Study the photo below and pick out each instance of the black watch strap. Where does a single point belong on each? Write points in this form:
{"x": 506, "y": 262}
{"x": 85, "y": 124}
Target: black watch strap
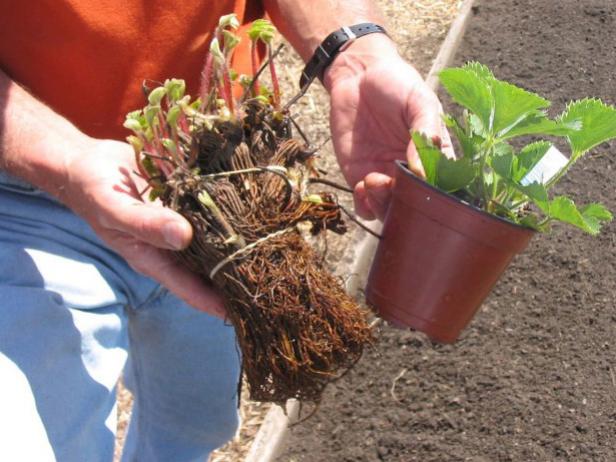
{"x": 331, "y": 46}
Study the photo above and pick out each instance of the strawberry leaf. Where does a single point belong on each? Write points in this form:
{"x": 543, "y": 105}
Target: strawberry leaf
{"x": 428, "y": 154}
{"x": 175, "y": 89}
{"x": 529, "y": 156}
{"x": 597, "y": 211}
{"x": 262, "y": 29}
{"x": 589, "y": 218}
{"x": 468, "y": 143}
{"x": 470, "y": 90}
{"x": 537, "y": 194}
{"x": 454, "y": 174}
{"x": 503, "y": 164}
{"x": 156, "y": 95}
{"x": 538, "y": 123}
{"x": 598, "y": 124}
{"x": 479, "y": 69}
{"x": 512, "y": 105}
{"x": 447, "y": 174}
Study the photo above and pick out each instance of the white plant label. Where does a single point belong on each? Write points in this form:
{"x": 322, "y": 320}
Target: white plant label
{"x": 549, "y": 165}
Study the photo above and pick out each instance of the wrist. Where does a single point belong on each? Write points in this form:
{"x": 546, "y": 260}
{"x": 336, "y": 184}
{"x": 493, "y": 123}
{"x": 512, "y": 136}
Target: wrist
{"x": 359, "y": 56}
{"x": 36, "y": 144}
{"x": 47, "y": 161}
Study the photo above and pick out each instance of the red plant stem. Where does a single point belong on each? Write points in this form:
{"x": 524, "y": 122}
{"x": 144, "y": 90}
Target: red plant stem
{"x": 228, "y": 91}
{"x": 275, "y": 83}
{"x": 206, "y": 79}
{"x": 162, "y": 123}
{"x": 183, "y": 123}
{"x": 151, "y": 147}
{"x": 255, "y": 66}
{"x": 140, "y": 167}
{"x": 160, "y": 150}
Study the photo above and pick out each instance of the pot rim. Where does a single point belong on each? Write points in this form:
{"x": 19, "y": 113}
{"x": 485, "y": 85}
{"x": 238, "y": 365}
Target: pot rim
{"x": 404, "y": 169}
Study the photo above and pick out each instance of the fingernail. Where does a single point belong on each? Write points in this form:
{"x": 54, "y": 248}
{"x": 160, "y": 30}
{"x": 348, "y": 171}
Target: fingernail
{"x": 174, "y": 232}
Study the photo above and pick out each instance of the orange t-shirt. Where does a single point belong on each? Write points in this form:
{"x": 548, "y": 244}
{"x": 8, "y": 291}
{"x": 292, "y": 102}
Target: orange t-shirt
{"x": 87, "y": 59}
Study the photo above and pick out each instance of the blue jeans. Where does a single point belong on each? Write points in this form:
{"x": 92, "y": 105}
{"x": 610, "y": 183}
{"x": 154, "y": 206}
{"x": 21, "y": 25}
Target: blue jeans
{"x": 73, "y": 317}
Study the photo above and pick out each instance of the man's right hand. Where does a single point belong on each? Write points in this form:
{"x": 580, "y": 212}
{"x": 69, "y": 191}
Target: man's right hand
{"x": 95, "y": 179}
{"x": 102, "y": 188}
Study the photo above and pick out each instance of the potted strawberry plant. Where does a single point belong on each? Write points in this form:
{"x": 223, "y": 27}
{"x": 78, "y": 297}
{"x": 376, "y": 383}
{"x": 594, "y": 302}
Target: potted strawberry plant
{"x": 448, "y": 238}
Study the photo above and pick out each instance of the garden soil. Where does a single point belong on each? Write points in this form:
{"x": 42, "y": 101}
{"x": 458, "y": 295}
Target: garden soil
{"x": 534, "y": 376}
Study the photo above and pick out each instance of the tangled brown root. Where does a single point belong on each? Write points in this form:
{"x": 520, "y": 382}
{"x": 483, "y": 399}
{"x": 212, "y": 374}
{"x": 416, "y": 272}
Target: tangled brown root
{"x": 246, "y": 191}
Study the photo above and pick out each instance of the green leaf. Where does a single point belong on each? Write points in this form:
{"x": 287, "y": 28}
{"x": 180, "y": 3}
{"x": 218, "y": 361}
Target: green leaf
{"x": 597, "y": 211}
{"x": 428, "y": 154}
{"x": 156, "y": 95}
{"x": 470, "y": 90}
{"x": 529, "y": 156}
{"x": 467, "y": 143}
{"x": 479, "y": 69}
{"x": 503, "y": 164}
{"x": 598, "y": 124}
{"x": 262, "y": 29}
{"x": 175, "y": 89}
{"x": 512, "y": 105}
{"x": 537, "y": 194}
{"x": 476, "y": 127}
{"x": 503, "y": 149}
{"x": 230, "y": 41}
{"x": 589, "y": 218}
{"x": 151, "y": 115}
{"x": 132, "y": 124}
{"x": 538, "y": 123}
{"x": 229, "y": 20}
{"x": 447, "y": 174}
{"x": 454, "y": 174}
{"x": 135, "y": 142}
{"x": 173, "y": 114}
{"x": 216, "y": 51}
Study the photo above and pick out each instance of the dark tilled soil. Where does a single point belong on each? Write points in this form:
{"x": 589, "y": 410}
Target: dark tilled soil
{"x": 534, "y": 377}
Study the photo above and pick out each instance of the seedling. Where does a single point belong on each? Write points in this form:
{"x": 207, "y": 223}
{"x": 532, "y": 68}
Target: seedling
{"x": 496, "y": 177}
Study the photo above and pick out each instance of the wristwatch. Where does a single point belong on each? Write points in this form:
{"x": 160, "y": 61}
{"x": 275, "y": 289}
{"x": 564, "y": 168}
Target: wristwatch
{"x": 333, "y": 44}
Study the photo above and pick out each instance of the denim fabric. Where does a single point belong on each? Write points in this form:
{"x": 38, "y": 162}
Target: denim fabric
{"x": 74, "y": 317}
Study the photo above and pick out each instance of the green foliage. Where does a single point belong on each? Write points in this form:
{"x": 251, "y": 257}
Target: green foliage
{"x": 598, "y": 124}
{"x": 490, "y": 172}
{"x": 588, "y": 218}
{"x": 469, "y": 89}
{"x": 175, "y": 89}
{"x": 262, "y": 29}
{"x": 449, "y": 174}
{"x": 228, "y": 21}
{"x": 163, "y": 131}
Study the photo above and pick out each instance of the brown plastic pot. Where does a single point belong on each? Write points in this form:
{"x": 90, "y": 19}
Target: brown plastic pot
{"x": 438, "y": 259}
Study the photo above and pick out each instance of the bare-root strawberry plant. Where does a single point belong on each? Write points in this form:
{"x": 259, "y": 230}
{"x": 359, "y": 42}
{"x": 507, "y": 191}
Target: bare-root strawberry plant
{"x": 231, "y": 165}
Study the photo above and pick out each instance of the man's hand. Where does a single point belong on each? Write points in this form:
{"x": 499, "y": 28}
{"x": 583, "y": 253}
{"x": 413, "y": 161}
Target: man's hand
{"x": 95, "y": 179}
{"x": 376, "y": 99}
{"x": 103, "y": 189}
